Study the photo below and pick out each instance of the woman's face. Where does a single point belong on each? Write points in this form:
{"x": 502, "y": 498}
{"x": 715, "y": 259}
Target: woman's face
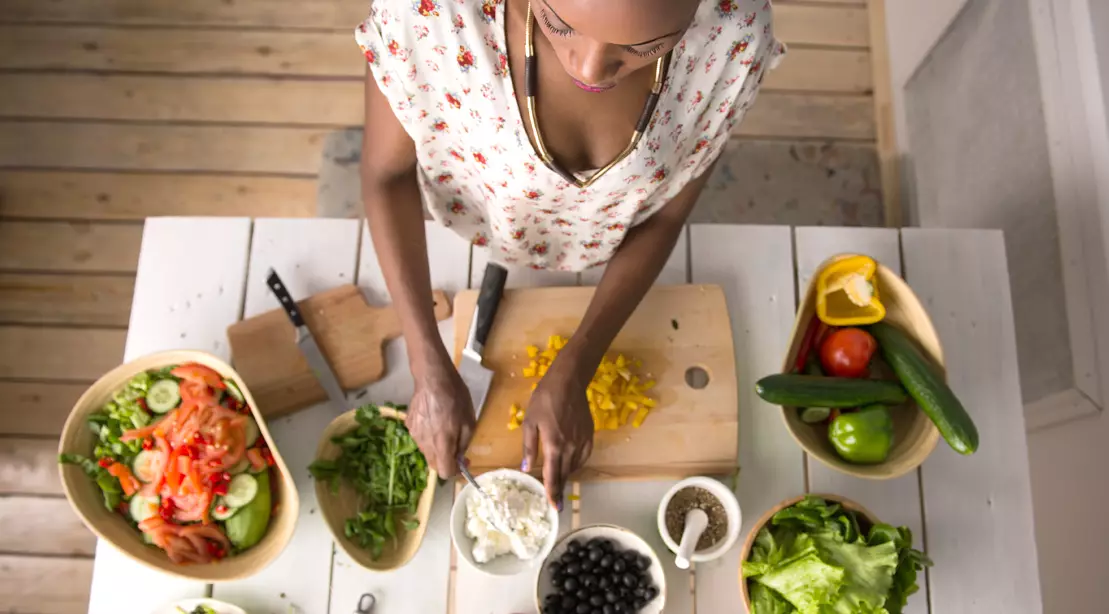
{"x": 599, "y": 42}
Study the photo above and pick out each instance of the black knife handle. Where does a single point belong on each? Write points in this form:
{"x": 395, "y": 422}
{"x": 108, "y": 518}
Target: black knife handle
{"x": 282, "y": 293}
{"x": 488, "y": 299}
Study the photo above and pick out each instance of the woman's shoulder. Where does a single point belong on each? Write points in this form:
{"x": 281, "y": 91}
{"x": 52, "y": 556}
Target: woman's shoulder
{"x": 427, "y": 22}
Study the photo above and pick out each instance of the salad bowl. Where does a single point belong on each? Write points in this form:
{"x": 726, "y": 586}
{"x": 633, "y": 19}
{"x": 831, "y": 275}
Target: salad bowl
{"x": 119, "y": 529}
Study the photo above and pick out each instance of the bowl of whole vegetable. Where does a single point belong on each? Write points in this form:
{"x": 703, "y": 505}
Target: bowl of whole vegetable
{"x": 863, "y": 387}
{"x": 167, "y": 458}
{"x": 374, "y": 486}
{"x": 827, "y": 553}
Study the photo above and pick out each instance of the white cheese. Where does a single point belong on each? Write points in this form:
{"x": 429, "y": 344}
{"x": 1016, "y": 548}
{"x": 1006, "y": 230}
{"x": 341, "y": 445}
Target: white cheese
{"x": 522, "y": 512}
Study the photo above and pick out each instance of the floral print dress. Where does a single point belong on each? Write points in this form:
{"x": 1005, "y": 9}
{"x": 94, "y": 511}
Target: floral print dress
{"x": 443, "y": 67}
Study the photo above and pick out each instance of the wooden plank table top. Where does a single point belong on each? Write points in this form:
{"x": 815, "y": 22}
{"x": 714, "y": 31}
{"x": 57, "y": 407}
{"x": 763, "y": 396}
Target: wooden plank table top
{"x": 972, "y": 515}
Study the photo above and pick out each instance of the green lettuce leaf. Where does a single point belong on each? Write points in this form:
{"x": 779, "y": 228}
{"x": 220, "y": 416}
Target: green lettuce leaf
{"x": 868, "y": 572}
{"x": 766, "y": 601}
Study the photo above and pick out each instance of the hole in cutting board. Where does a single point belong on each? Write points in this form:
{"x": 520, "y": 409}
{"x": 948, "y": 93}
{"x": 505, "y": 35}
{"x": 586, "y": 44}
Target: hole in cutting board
{"x": 696, "y": 378}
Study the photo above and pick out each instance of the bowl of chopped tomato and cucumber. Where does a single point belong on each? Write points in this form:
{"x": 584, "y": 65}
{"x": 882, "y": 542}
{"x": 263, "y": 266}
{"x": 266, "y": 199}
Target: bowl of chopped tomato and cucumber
{"x": 863, "y": 387}
{"x": 168, "y": 459}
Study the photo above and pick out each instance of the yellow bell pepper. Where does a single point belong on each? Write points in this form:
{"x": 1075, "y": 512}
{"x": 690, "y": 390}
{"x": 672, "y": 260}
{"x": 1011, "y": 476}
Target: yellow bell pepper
{"x": 847, "y": 293}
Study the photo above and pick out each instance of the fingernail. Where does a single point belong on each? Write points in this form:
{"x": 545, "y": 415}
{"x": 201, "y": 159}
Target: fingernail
{"x": 524, "y": 466}
{"x": 559, "y": 505}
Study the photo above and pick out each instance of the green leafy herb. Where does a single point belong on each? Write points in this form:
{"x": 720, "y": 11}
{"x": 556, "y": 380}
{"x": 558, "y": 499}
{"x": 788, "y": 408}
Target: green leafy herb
{"x": 380, "y": 461}
{"x": 108, "y": 484}
{"x": 814, "y": 557}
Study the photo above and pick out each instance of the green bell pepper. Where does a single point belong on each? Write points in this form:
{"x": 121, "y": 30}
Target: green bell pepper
{"x": 864, "y": 437}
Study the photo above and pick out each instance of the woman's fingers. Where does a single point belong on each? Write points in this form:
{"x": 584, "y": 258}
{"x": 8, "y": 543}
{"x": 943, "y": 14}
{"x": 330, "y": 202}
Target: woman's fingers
{"x": 553, "y": 476}
{"x": 446, "y": 453}
{"x": 581, "y": 456}
{"x": 531, "y": 446}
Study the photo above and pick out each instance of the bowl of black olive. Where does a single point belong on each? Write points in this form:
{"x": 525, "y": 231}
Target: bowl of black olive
{"x": 601, "y": 569}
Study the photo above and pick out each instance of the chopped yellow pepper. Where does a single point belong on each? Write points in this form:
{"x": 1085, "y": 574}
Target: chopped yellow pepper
{"x": 847, "y": 293}
{"x": 615, "y": 394}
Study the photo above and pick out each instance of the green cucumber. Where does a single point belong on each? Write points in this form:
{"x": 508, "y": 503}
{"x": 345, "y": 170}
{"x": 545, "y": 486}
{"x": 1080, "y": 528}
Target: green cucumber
{"x": 163, "y": 396}
{"x": 146, "y": 466}
{"x": 241, "y": 490}
{"x": 233, "y": 390}
{"x": 227, "y": 511}
{"x": 247, "y": 527}
{"x": 924, "y": 383}
{"x": 789, "y": 390}
{"x": 814, "y": 415}
{"x": 251, "y": 432}
{"x": 142, "y": 507}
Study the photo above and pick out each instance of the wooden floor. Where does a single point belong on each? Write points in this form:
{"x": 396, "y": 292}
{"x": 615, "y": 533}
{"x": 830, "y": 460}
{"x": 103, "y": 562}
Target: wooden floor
{"x": 114, "y": 110}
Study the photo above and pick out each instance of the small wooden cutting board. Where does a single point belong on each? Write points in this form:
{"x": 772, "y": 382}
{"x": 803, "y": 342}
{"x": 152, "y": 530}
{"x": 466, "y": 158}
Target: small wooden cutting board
{"x": 675, "y": 329}
{"x": 351, "y": 333}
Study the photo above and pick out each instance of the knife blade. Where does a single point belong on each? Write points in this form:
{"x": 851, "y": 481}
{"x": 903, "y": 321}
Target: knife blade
{"x": 474, "y": 374}
{"x": 311, "y": 351}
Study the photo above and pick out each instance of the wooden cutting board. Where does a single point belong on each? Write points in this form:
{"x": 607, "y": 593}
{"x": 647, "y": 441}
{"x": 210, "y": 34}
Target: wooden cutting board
{"x": 351, "y": 333}
{"x": 676, "y": 328}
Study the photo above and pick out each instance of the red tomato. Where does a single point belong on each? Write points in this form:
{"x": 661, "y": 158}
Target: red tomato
{"x": 847, "y": 353}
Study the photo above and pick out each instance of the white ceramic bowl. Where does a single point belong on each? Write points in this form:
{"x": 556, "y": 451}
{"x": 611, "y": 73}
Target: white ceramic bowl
{"x": 731, "y": 506}
{"x": 623, "y": 539}
{"x": 507, "y": 565}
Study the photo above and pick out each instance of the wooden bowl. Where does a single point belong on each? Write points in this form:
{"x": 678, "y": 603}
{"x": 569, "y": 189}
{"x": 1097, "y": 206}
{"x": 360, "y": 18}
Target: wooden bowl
{"x": 914, "y": 434}
{"x": 866, "y": 520}
{"x": 87, "y": 501}
{"x": 337, "y": 508}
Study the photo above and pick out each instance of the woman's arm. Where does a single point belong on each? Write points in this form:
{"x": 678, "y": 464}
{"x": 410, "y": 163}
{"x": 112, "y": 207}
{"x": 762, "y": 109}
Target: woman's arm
{"x": 558, "y": 414}
{"x": 440, "y": 416}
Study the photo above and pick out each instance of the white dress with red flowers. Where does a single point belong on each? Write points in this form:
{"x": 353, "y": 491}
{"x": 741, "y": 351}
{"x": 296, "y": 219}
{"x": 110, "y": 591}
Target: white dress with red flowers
{"x": 442, "y": 66}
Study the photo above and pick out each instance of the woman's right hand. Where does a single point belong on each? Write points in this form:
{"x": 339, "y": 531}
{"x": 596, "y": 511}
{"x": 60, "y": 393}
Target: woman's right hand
{"x": 441, "y": 415}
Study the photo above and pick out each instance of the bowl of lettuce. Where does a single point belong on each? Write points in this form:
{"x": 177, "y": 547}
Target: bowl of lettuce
{"x": 823, "y": 554}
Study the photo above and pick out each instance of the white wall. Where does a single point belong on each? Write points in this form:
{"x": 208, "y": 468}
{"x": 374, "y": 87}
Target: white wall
{"x": 912, "y": 28}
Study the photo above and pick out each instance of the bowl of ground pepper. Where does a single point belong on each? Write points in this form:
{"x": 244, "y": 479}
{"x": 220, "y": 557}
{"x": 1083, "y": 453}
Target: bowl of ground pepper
{"x": 719, "y": 504}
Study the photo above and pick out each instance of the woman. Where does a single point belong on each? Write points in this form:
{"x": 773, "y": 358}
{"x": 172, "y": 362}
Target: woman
{"x": 559, "y": 134}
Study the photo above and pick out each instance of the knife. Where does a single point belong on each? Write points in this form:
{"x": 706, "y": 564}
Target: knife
{"x": 475, "y": 375}
{"x": 318, "y": 364}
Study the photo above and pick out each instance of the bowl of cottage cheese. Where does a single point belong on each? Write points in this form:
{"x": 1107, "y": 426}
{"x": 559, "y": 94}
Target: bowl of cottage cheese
{"x": 508, "y": 532}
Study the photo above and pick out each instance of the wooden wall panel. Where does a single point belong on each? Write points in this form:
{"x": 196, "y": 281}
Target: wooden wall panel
{"x": 43, "y": 525}
{"x": 69, "y": 246}
{"x": 44, "y": 585}
{"x": 36, "y": 408}
{"x": 73, "y": 354}
{"x": 91, "y": 300}
{"x": 29, "y": 467}
{"x": 124, "y": 196}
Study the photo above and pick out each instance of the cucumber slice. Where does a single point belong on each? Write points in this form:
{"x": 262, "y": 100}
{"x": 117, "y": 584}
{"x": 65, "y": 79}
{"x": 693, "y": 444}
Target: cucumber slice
{"x": 815, "y": 415}
{"x": 242, "y": 467}
{"x": 146, "y": 466}
{"x": 227, "y": 512}
{"x": 252, "y": 433}
{"x": 142, "y": 508}
{"x": 233, "y": 391}
{"x": 242, "y": 490}
{"x": 163, "y": 396}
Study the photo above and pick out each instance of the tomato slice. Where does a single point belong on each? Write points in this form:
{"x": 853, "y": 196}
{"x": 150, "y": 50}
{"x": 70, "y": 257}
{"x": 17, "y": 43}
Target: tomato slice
{"x": 199, "y": 374}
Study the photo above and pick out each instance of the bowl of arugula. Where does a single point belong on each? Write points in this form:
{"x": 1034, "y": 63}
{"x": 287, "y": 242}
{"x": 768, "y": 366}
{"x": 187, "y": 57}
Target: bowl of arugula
{"x": 374, "y": 487}
{"x": 824, "y": 552}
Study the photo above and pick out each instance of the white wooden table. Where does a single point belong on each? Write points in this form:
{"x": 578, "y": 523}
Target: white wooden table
{"x": 972, "y": 515}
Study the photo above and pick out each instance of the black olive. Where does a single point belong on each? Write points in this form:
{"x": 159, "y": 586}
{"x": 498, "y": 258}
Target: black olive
{"x": 595, "y": 554}
{"x": 587, "y": 565}
{"x": 571, "y": 584}
{"x": 609, "y": 609}
{"x": 639, "y": 603}
{"x": 588, "y": 580}
{"x": 573, "y": 569}
{"x": 620, "y": 607}
{"x": 643, "y": 563}
{"x": 582, "y": 595}
{"x": 605, "y": 581}
{"x": 573, "y": 546}
{"x": 652, "y": 592}
{"x": 612, "y": 597}
{"x": 558, "y": 580}
{"x": 606, "y": 561}
{"x": 597, "y": 600}
{"x": 568, "y": 602}
{"x": 629, "y": 555}
{"x": 606, "y": 545}
{"x": 619, "y": 566}
{"x": 638, "y": 592}
{"x": 629, "y": 580}
{"x": 644, "y": 581}
{"x": 583, "y": 608}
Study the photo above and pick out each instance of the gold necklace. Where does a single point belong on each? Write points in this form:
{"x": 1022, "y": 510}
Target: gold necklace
{"x": 531, "y": 85}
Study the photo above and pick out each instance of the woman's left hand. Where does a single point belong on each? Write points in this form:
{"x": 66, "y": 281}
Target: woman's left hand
{"x": 558, "y": 416}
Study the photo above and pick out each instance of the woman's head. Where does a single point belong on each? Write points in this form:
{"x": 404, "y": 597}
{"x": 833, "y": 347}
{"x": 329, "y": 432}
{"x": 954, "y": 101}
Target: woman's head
{"x": 599, "y": 42}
